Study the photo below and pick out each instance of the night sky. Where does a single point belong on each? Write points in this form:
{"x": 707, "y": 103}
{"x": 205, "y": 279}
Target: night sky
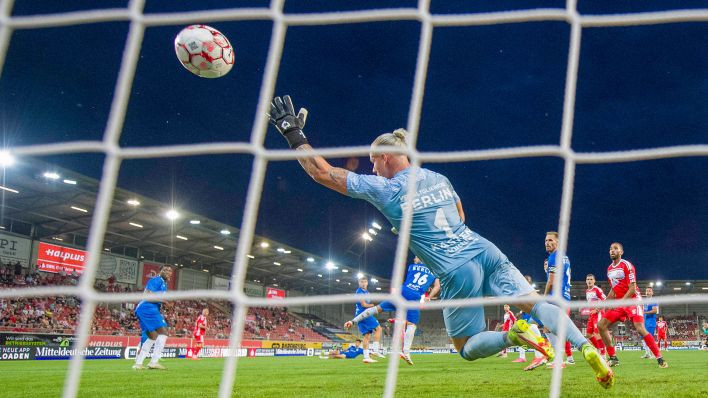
{"x": 487, "y": 87}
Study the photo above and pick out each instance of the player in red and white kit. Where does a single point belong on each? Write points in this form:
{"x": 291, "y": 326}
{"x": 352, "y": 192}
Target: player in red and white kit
{"x": 623, "y": 280}
{"x": 200, "y": 327}
{"x": 509, "y": 320}
{"x": 594, "y": 293}
{"x": 662, "y": 329}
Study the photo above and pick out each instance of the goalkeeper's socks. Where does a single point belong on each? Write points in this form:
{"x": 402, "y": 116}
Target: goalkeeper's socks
{"x": 550, "y": 316}
{"x": 484, "y": 344}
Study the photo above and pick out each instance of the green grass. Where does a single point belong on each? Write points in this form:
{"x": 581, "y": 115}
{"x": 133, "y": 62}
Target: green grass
{"x": 433, "y": 375}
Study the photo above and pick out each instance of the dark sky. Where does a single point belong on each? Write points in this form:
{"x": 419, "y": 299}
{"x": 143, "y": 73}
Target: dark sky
{"x": 487, "y": 87}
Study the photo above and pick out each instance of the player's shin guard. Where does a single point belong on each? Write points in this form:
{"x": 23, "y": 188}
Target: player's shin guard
{"x": 408, "y": 338}
{"x": 484, "y": 344}
{"x": 157, "y": 351}
{"x": 365, "y": 314}
{"x": 144, "y": 351}
{"x": 649, "y": 341}
{"x": 550, "y": 316}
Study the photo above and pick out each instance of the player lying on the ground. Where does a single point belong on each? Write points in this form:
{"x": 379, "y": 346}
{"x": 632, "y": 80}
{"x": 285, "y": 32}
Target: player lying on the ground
{"x": 418, "y": 280}
{"x": 468, "y": 265}
{"x": 353, "y": 351}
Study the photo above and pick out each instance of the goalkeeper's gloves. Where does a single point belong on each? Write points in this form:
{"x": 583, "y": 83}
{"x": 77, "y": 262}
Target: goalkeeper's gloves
{"x": 282, "y": 116}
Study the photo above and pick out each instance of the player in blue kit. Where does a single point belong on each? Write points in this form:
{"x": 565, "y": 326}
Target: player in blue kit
{"x": 418, "y": 280}
{"x": 352, "y": 352}
{"x": 468, "y": 265}
{"x": 551, "y": 266}
{"x": 152, "y": 322}
{"x": 650, "y": 312}
{"x": 369, "y": 326}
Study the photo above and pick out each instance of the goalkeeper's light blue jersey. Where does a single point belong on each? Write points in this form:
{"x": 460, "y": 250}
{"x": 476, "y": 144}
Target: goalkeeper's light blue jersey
{"x": 438, "y": 235}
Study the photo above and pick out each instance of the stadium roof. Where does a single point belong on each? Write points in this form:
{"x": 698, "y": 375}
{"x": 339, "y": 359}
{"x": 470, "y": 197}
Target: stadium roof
{"x": 59, "y": 207}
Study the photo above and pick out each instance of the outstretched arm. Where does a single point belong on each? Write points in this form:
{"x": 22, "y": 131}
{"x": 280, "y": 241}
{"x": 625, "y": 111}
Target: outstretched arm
{"x": 282, "y": 116}
{"x": 320, "y": 170}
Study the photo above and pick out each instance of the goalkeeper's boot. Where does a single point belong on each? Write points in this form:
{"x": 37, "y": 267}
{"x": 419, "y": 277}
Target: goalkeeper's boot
{"x": 369, "y": 360}
{"x": 138, "y": 366}
{"x": 407, "y": 358}
{"x": 156, "y": 366}
{"x": 603, "y": 373}
{"x": 522, "y": 335}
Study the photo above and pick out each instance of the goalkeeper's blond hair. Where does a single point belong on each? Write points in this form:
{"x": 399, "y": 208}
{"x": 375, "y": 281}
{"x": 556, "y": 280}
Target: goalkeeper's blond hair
{"x": 396, "y": 138}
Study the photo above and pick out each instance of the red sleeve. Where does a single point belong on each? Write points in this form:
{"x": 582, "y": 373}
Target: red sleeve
{"x": 629, "y": 269}
{"x": 602, "y": 294}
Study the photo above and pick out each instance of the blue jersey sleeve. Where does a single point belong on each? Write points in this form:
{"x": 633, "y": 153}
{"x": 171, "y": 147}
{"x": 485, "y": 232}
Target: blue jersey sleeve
{"x": 359, "y": 308}
{"x": 374, "y": 189}
{"x": 551, "y": 263}
{"x": 156, "y": 285}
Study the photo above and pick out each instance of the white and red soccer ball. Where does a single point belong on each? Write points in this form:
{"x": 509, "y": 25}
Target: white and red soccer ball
{"x": 204, "y": 51}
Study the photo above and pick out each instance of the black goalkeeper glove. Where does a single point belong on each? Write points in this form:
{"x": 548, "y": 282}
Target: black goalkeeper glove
{"x": 282, "y": 116}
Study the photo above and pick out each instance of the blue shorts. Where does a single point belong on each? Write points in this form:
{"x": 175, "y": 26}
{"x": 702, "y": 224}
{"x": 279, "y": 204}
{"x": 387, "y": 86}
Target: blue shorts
{"x": 351, "y": 355}
{"x": 490, "y": 273}
{"x": 150, "y": 318}
{"x": 412, "y": 316}
{"x": 368, "y": 325}
{"x": 650, "y": 328}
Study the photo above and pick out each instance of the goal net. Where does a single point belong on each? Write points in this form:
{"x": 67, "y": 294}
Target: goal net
{"x": 115, "y": 153}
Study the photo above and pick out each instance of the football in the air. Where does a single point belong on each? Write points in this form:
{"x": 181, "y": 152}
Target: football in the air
{"x": 204, "y": 51}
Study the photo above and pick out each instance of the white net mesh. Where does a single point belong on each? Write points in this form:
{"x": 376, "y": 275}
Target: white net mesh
{"x": 115, "y": 154}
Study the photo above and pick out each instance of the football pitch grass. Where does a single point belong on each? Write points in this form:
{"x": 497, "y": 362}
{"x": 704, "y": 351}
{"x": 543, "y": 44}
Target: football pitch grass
{"x": 434, "y": 375}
